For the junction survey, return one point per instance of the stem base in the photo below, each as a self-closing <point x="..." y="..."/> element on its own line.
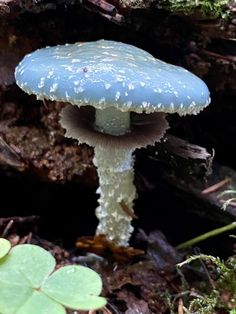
<point x="116" y="176"/>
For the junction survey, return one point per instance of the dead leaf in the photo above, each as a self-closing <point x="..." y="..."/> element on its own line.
<point x="101" y="246"/>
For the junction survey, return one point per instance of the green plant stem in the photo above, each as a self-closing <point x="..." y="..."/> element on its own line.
<point x="206" y="236"/>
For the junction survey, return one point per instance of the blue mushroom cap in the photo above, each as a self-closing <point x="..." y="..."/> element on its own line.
<point x="107" y="73"/>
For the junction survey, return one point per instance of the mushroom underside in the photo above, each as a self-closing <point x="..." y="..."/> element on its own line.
<point x="146" y="129"/>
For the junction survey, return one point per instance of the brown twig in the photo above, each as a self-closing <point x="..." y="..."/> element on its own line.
<point x="29" y="238"/>
<point x="113" y="308"/>
<point x="10" y="157"/>
<point x="219" y="56"/>
<point x="104" y="6"/>
<point x="7" y="228"/>
<point x="211" y="281"/>
<point x="18" y="219"/>
<point x="26" y="239"/>
<point x="127" y="210"/>
<point x="180" y="306"/>
<point x="216" y="187"/>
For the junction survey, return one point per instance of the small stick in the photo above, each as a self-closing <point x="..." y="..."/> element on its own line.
<point x="106" y="311"/>
<point x="212" y="283"/>
<point x="105" y="6"/>
<point x="127" y="210"/>
<point x="216" y="187"/>
<point x="10" y="156"/>
<point x="24" y="239"/>
<point x="7" y="228"/>
<point x="19" y="219"/>
<point x="180" y="306"/>
<point x="231" y="203"/>
<point x="219" y="56"/>
<point x="45" y="103"/>
<point x="206" y="236"/>
<point x="29" y="238"/>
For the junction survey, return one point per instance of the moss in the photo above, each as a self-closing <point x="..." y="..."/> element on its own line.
<point x="221" y="294"/>
<point x="207" y="8"/>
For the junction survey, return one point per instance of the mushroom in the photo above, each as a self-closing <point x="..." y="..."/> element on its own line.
<point x="121" y="95"/>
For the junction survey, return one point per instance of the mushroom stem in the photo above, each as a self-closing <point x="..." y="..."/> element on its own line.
<point x="116" y="175"/>
<point x="112" y="121"/>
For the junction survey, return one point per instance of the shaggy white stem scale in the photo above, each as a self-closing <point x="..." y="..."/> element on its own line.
<point x="116" y="176"/>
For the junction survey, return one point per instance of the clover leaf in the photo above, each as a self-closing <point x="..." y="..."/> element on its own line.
<point x="29" y="285"/>
<point x="5" y="247"/>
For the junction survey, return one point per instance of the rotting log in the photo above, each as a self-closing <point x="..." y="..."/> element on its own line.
<point x="192" y="176"/>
